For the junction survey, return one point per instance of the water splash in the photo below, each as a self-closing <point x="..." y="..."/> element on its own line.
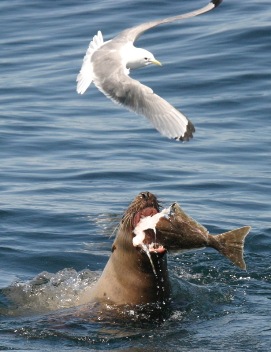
<point x="47" y="291"/>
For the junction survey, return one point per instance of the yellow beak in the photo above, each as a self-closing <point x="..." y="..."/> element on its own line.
<point x="156" y="62"/>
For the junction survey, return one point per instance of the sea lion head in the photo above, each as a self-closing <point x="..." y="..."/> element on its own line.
<point x="145" y="204"/>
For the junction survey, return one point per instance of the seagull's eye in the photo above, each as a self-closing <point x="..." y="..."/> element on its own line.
<point x="145" y="58"/>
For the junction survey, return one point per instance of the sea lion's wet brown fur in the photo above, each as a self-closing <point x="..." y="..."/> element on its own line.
<point x="129" y="276"/>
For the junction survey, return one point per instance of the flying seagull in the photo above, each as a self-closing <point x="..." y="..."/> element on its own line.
<point x="108" y="64"/>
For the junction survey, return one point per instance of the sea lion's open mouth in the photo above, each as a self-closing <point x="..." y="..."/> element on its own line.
<point x="145" y="232"/>
<point x="149" y="211"/>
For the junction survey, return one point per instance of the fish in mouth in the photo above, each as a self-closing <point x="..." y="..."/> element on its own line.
<point x="136" y="272"/>
<point x="172" y="229"/>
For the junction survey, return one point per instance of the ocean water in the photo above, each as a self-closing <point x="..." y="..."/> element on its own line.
<point x="71" y="164"/>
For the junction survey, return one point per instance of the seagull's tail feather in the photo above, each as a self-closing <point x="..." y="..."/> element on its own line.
<point x="85" y="76"/>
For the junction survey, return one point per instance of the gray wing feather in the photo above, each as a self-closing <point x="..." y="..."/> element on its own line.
<point x="131" y="34"/>
<point x="142" y="100"/>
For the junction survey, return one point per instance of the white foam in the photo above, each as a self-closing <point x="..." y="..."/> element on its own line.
<point x="147" y="223"/>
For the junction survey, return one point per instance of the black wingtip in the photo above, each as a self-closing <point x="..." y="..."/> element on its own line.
<point x="190" y="129"/>
<point x="216" y="2"/>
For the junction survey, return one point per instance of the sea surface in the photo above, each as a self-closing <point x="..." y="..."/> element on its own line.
<point x="71" y="164"/>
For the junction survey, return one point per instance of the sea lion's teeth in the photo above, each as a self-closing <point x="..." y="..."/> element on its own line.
<point x="155" y="247"/>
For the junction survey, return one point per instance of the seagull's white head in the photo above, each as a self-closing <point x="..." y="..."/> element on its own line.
<point x="137" y="57"/>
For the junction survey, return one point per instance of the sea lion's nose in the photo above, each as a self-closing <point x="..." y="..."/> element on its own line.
<point x="173" y="207"/>
<point x="145" y="195"/>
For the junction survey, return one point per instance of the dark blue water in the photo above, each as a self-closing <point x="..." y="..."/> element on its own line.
<point x="71" y="164"/>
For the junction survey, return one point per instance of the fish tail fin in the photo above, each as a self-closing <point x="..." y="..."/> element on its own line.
<point x="231" y="244"/>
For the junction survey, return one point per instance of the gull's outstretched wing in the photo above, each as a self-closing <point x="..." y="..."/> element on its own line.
<point x="139" y="98"/>
<point x="85" y="76"/>
<point x="131" y="34"/>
